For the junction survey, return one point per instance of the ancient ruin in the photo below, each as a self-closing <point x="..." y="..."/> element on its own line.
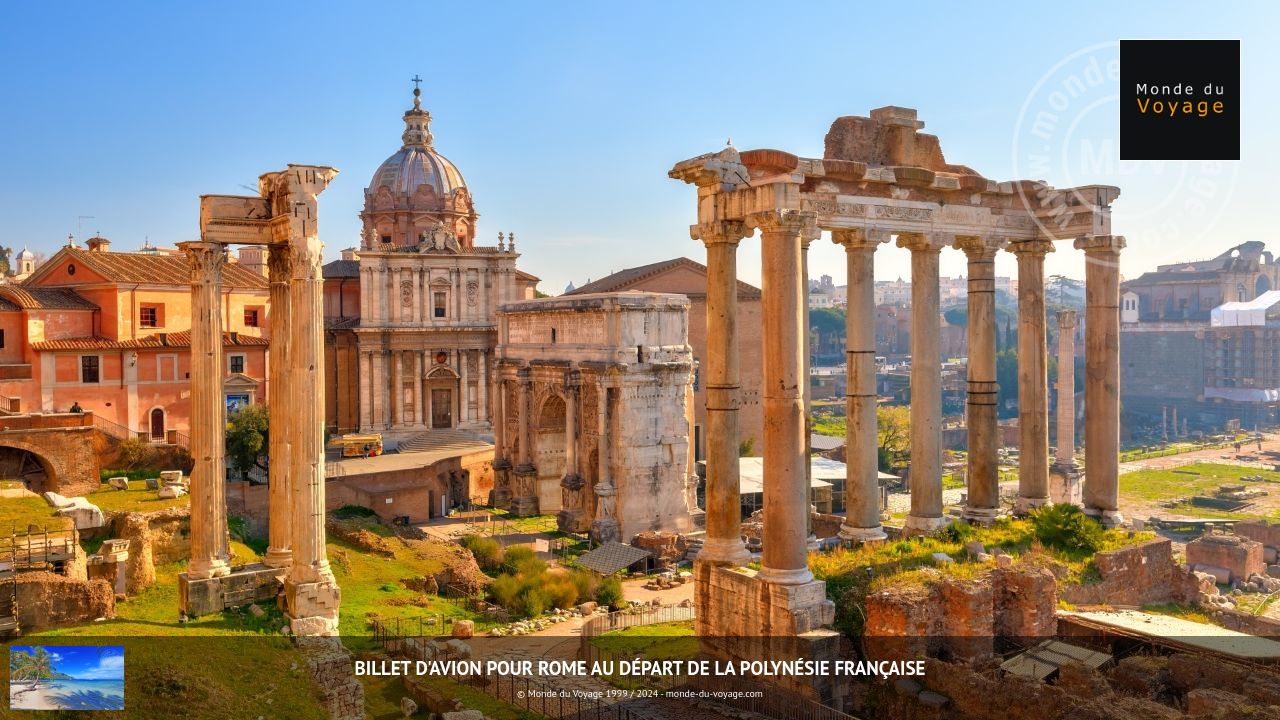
<point x="593" y="406"/>
<point x="283" y="219"/>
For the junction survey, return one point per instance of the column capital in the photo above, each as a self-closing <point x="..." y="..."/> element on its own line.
<point x="977" y="248"/>
<point x="802" y="222"/>
<point x="1030" y="247"/>
<point x="720" y="231"/>
<point x="1066" y="319"/>
<point x="923" y="242"/>
<point x="1100" y="243"/>
<point x="280" y="259"/>
<point x="860" y="238"/>
<point x="204" y="257"/>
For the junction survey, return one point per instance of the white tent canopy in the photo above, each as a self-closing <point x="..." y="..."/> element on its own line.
<point x="1240" y="314"/>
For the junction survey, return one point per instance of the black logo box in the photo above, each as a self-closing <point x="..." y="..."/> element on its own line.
<point x="1187" y="69"/>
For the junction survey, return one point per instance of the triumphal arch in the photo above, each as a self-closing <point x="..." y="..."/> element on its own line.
<point x="881" y="178"/>
<point x="282" y="218"/>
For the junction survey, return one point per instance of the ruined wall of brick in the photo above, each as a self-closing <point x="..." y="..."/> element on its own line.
<point x="47" y="600"/>
<point x="1240" y="556"/>
<point x="331" y="667"/>
<point x="1137" y="575"/>
<point x="1259" y="531"/>
<point x="1026" y="603"/>
<point x="1247" y="623"/>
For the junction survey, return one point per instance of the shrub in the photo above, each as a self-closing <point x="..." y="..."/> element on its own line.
<point x="486" y="551"/>
<point x="515" y="556"/>
<point x="134" y="452"/>
<point x="349" y="512"/>
<point x="610" y="592"/>
<point x="1067" y="528"/>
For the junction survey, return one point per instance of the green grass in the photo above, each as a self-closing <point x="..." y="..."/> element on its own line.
<point x="661" y="641"/>
<point x="18" y="512"/>
<point x="1182" y="612"/>
<point x="136" y="499"/>
<point x="1185" y="481"/>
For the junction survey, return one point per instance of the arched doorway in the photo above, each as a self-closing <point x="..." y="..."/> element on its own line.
<point x="549" y="456"/>
<point x="27" y="468"/>
<point x="157" y="424"/>
<point x="440" y="396"/>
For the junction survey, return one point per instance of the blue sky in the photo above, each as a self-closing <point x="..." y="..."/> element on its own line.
<point x="87" y="662"/>
<point x="565" y="117"/>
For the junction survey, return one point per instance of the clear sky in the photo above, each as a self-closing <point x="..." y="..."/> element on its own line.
<point x="565" y="117"/>
<point x="88" y="662"/>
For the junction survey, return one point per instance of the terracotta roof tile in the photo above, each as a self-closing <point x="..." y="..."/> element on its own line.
<point x="627" y="279"/>
<point x="158" y="269"/>
<point x="44" y="298"/>
<point x="158" y="340"/>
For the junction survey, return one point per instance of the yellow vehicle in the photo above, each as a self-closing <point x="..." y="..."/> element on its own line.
<point x="357" y="445"/>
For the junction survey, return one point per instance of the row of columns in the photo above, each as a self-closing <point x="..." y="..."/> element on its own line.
<point x="382" y="304"/>
<point x="381" y="410"/>
<point x="786" y="464"/>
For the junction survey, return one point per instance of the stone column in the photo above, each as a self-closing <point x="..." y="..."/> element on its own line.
<point x="1102" y="376"/>
<point x="1064" y="474"/>
<point x="786" y="495"/>
<point x="605" y="528"/>
<point x="501" y="444"/>
<point x="862" y="467"/>
<point x="806" y="380"/>
<point x="524" y="501"/>
<point x="482" y="387"/>
<point x="210" y="543"/>
<point x="378" y="387"/>
<point x="1033" y="376"/>
<point x="983" y="470"/>
<point x="366" y="391"/>
<point x="464" y="387"/>
<point x="311" y="594"/>
<point x="397" y="388"/>
<point x="279" y="400"/>
<point x="926" y="384"/>
<point x="723" y="544"/>
<point x="418" y="417"/>
<point x="572" y="518"/>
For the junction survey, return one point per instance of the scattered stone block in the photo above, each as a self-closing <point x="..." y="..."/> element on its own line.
<point x="56" y="500"/>
<point x="153" y="483"/>
<point x="119" y="483"/>
<point x="171" y="477"/>
<point x="587" y="608"/>
<point x="83" y="513"/>
<point x="975" y="548"/>
<point x="1240" y="556"/>
<point x="171" y="492"/>
<point x="1004" y="561"/>
<point x="929" y="698"/>
<point x="1221" y="576"/>
<point x="408" y="706"/>
<point x="1273" y="571"/>
<point x="942" y="558"/>
<point x="256" y="611"/>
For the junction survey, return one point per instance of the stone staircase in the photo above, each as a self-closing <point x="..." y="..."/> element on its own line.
<point x="442" y="441"/>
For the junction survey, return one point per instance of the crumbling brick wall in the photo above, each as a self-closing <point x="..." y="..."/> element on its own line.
<point x="1137" y="575"/>
<point x="46" y="600"/>
<point x="1238" y="555"/>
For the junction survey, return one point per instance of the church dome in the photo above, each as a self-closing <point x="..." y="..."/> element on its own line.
<point x="417" y="164"/>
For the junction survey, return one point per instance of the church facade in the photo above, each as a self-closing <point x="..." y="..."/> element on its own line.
<point x="410" y="315"/>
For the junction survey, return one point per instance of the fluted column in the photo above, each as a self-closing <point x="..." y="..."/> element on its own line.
<point x="482" y="388"/>
<point x="464" y="387"/>
<point x="397" y="388"/>
<point x="312" y="595"/>
<point x="983" y="468"/>
<point x="418" y="417"/>
<point x="378" y="385"/>
<point x="786" y="492"/>
<point x="1033" y="377"/>
<point x="1066" y="445"/>
<point x="862" y="468"/>
<point x="366" y="391"/>
<point x="926" y="384"/>
<point x="1102" y="376"/>
<point x="806" y="381"/>
<point x="723" y="544"/>
<point x="279" y="399"/>
<point x="210" y="544"/>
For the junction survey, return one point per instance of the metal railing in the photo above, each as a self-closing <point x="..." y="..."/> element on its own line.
<point x="116" y="430"/>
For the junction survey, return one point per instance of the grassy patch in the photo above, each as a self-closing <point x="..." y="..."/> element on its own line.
<point x="1182" y="612"/>
<point x="1185" y="481"/>
<point x="474" y="699"/>
<point x="17" y="513"/>
<point x="662" y="641"/>
<point x="136" y="499"/>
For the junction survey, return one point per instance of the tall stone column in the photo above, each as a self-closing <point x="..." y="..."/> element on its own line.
<point x="1033" y="376"/>
<point x="862" y="467"/>
<point x="464" y="387"/>
<point x="366" y="392"/>
<point x="524" y="501"/>
<point x="926" y="384"/>
<point x="210" y="543"/>
<point x="482" y="388"/>
<point x="572" y="517"/>
<point x="806" y="381"/>
<point x="312" y="596"/>
<point x="279" y="400"/>
<point x="1102" y="376"/>
<point x="1064" y="474"/>
<point x="983" y="470"/>
<point x="605" y="527"/>
<point x="397" y="388"/>
<point x="501" y="444"/>
<point x="786" y="492"/>
<point x="378" y="382"/>
<point x="723" y="544"/>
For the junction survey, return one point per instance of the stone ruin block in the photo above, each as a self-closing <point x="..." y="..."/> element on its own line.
<point x="1260" y="531"/>
<point x="1240" y="556"/>
<point x="171" y="477"/>
<point x="253" y="583"/>
<point x="968" y="620"/>
<point x="119" y="483"/>
<point x="171" y="492"/>
<point x="668" y="547"/>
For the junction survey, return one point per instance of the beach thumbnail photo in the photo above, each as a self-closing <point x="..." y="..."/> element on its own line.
<point x="66" y="677"/>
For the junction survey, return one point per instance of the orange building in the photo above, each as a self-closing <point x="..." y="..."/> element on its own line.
<point x="111" y="332"/>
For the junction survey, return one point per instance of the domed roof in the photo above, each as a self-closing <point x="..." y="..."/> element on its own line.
<point x="417" y="163"/>
<point x="26" y="254"/>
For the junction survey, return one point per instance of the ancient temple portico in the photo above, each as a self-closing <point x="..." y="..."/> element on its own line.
<point x="282" y="218"/>
<point x="880" y="177"/>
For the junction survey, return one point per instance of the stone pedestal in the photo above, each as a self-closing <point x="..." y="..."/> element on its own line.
<point x="524" y="500"/>
<point x="1102" y="376"/>
<point x="1064" y="484"/>
<point x="572" y="519"/>
<point x="205" y="596"/>
<point x="501" y="497"/>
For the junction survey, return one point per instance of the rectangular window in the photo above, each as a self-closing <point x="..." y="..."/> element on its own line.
<point x="236" y="363"/>
<point x="251" y="317"/>
<point x="89" y="368"/>
<point x="1" y="339"/>
<point x="148" y="317"/>
<point x="439" y="303"/>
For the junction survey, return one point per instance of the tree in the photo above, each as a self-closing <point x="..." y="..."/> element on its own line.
<point x="34" y="665"/>
<point x="247" y="440"/>
<point x="893" y="433"/>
